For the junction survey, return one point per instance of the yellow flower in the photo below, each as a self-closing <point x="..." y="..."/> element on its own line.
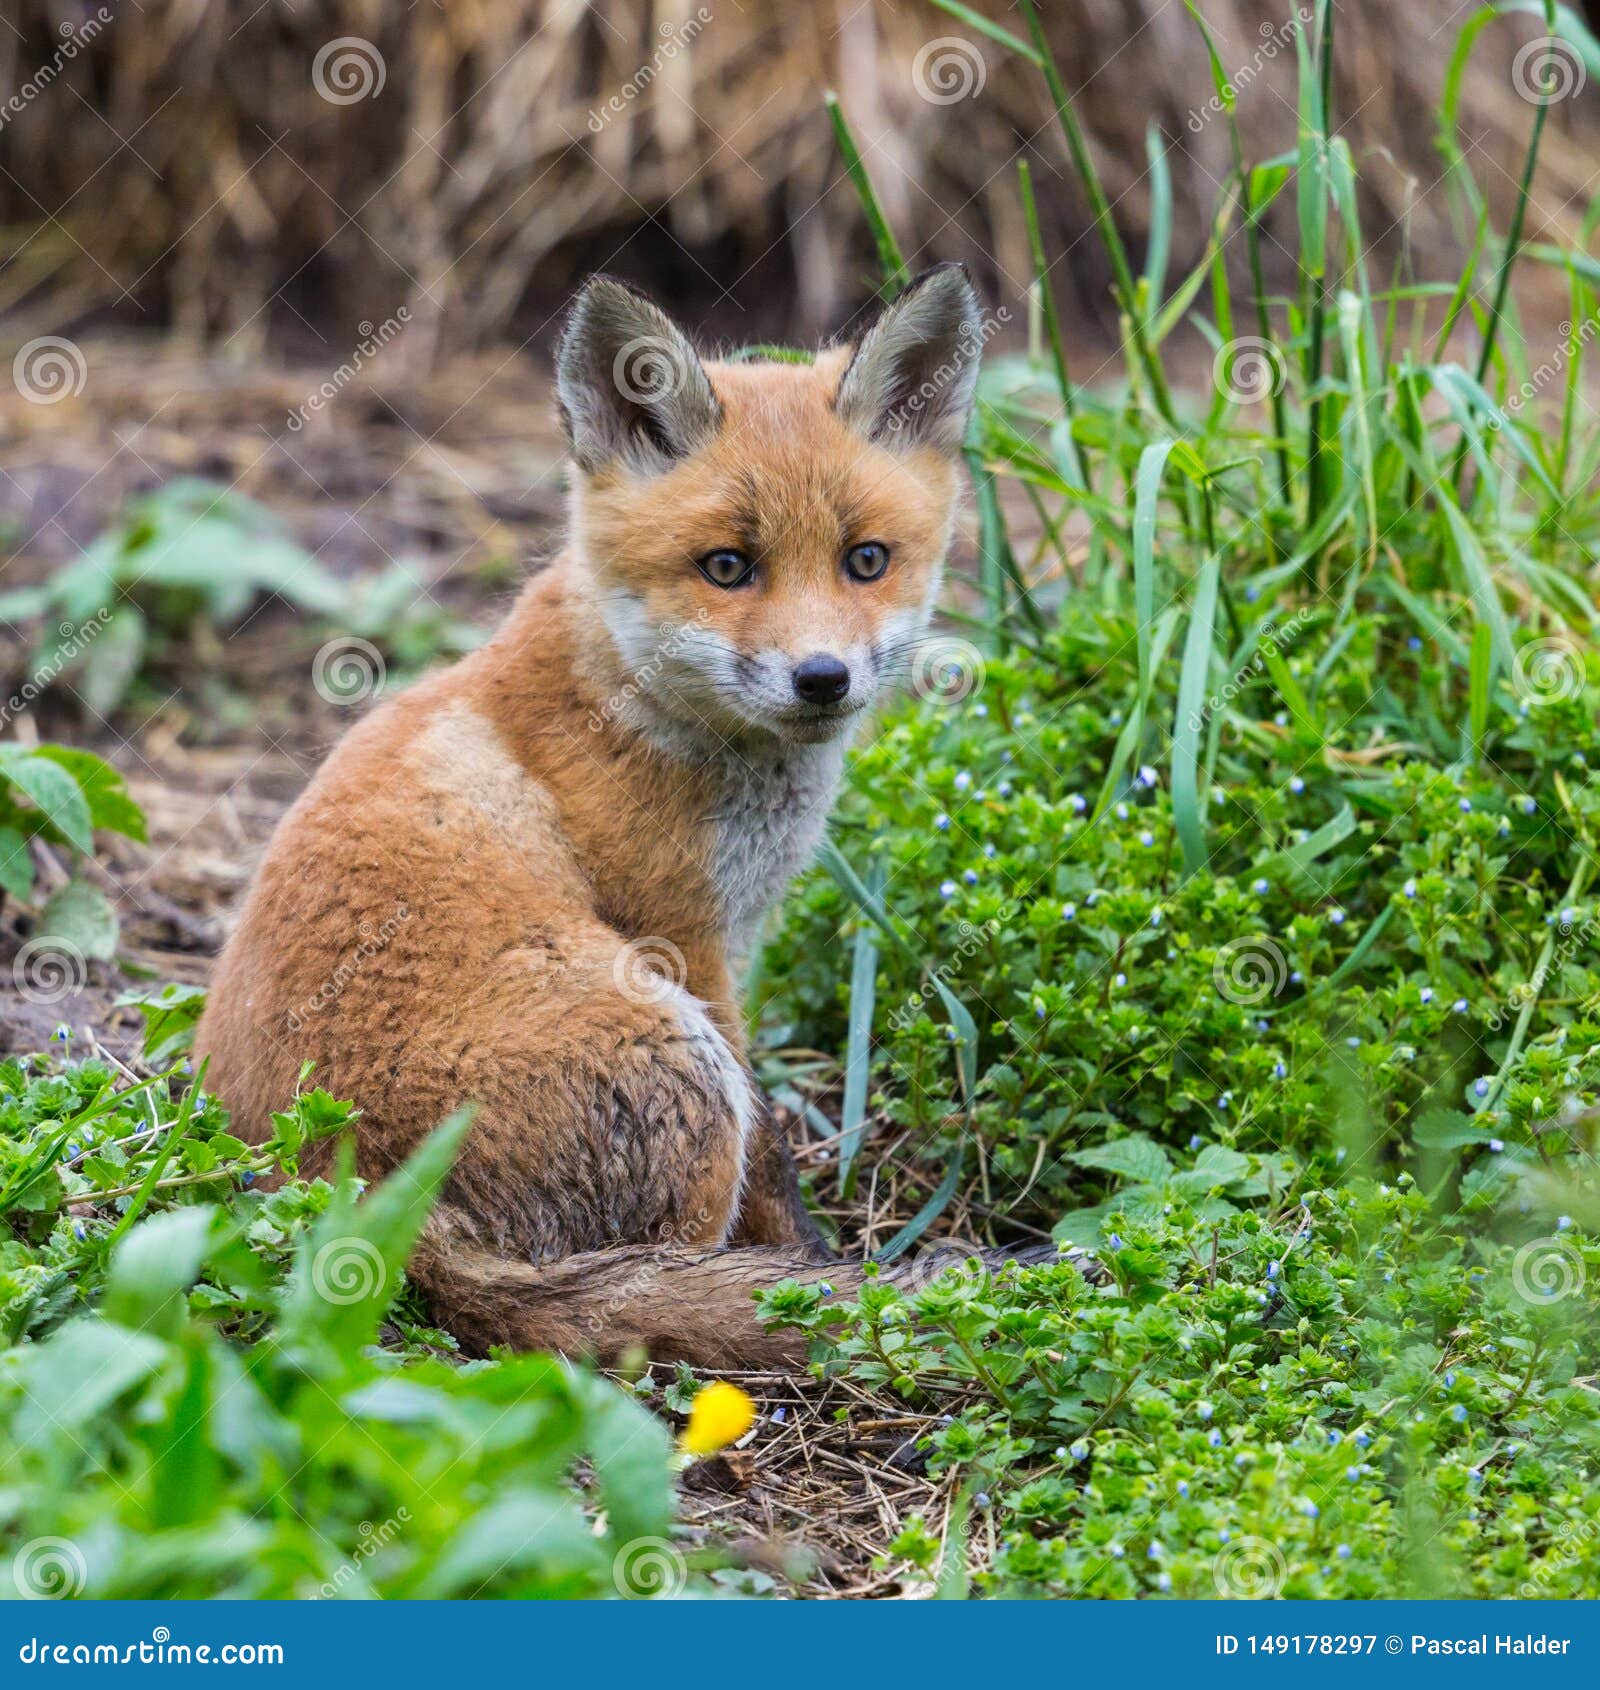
<point x="721" y="1414"/>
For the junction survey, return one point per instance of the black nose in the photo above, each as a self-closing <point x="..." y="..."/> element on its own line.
<point x="821" y="679"/>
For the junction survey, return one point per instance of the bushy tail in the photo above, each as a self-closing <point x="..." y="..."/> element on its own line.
<point x="695" y="1306"/>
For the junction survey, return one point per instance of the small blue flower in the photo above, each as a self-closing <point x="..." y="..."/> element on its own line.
<point x="1154" y="1552"/>
<point x="1147" y="776"/>
<point x="1296" y="978"/>
<point x="247" y="1177"/>
<point x="1480" y="1088"/>
<point x="1214" y="1438"/>
<point x="1204" y="1410"/>
<point x="1146" y="837"/>
<point x="1069" y="912"/>
<point x="1194" y="1141"/>
<point x="1460" y="1006"/>
<point x="1274" y="1269"/>
<point x="963" y="781"/>
<point x="1362" y="1439"/>
<point x="79" y="1230"/>
<point x="1119" y="980"/>
<point x="1116" y="1551"/>
<point x="1563" y="1223"/>
<point x="1260" y="888"/>
<point x="1414" y="642"/>
<point x="1310" y="1509"/>
<point x="1077" y="803"/>
<point x="1410" y="889"/>
<point x="1222" y="1102"/>
<point x="1224" y="1536"/>
<point x="825" y="1288"/>
<point x="1449" y="1380"/>
<point x="1296" y="784"/>
<point x="1529" y="805"/>
<point x="62" y="1033"/>
<point x="970" y="875"/>
<point x="1464" y="805"/>
<point x="947" y="888"/>
<point x="1080" y="1451"/>
<point x="1336" y="917"/>
<point x="1115" y="1241"/>
<point x="1354" y="1042"/>
<point x="989" y="852"/>
<point x="1459" y="1412"/>
<point x="942" y="822"/>
<point x="1343" y="1552"/>
<point x="1183" y="1487"/>
<point x="1496" y="1145"/>
<point x="1353" y="1473"/>
<point x="1155" y="918"/>
<point x="980" y="709"/>
<point x="1164" y="1582"/>
<point x="1004" y="789"/>
<point x="1279" y="1071"/>
<point x="1251" y="592"/>
<point x="982" y="1499"/>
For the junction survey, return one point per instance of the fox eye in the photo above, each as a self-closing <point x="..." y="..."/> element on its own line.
<point x="726" y="567"/>
<point x="866" y="562"/>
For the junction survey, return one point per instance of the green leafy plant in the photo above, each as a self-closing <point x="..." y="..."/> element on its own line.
<point x="1226" y="903"/>
<point x="61" y="796"/>
<point x="344" y="1452"/>
<point x="188" y="553"/>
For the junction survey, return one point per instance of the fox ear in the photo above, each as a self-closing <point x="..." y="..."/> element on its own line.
<point x="629" y="384"/>
<point x="911" y="380"/>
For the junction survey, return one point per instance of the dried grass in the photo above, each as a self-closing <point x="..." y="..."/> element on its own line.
<point x="183" y="167"/>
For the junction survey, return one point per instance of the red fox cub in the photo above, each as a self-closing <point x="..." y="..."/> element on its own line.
<point x="528" y="882"/>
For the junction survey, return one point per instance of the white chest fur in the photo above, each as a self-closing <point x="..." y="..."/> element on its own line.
<point x="769" y="820"/>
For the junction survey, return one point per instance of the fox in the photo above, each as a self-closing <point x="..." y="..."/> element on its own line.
<point x="529" y="882"/>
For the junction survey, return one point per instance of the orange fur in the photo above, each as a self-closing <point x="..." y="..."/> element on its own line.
<point x="525" y="882"/>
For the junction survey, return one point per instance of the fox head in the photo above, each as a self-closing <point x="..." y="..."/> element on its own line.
<point x="764" y="537"/>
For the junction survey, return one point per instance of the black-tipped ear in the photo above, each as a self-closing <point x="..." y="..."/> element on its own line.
<point x="911" y="380"/>
<point x="630" y="385"/>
